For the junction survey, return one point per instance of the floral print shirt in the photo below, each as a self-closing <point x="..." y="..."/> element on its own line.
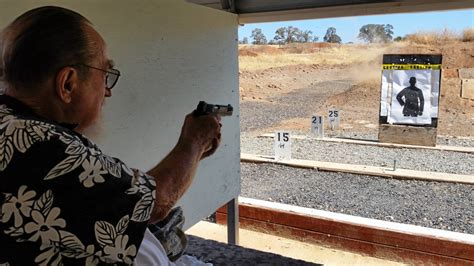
<point x="62" y="200"/>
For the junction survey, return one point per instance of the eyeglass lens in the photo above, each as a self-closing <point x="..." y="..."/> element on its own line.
<point x="111" y="78"/>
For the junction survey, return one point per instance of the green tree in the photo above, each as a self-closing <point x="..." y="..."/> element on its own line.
<point x="398" y="39"/>
<point x="245" y="40"/>
<point x="331" y="36"/>
<point x="305" y="36"/>
<point x="258" y="37"/>
<point x="285" y="35"/>
<point x="376" y="33"/>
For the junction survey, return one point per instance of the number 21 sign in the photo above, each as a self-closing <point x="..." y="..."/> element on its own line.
<point x="317" y="126"/>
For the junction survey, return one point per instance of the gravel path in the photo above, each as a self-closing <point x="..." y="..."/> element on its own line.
<point x="415" y="159"/>
<point x="256" y="115"/>
<point x="431" y="204"/>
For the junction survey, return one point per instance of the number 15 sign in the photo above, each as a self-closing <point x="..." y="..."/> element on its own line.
<point x="282" y="146"/>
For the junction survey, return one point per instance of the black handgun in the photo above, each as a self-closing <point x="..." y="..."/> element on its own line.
<point x="204" y="108"/>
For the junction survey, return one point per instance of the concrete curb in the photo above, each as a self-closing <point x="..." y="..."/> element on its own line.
<point x="376" y="238"/>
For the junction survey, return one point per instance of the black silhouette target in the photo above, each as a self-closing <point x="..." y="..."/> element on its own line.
<point x="410" y="90"/>
<point x="412" y="99"/>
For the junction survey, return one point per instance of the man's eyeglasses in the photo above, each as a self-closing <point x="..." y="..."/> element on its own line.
<point x="111" y="77"/>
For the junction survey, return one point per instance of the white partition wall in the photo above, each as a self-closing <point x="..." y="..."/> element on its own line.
<point x="171" y="54"/>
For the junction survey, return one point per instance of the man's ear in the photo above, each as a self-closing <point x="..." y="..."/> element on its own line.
<point x="67" y="81"/>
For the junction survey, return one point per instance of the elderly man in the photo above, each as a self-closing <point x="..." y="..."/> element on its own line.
<point x="62" y="200"/>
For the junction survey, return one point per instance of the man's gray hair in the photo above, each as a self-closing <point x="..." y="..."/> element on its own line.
<point x="39" y="43"/>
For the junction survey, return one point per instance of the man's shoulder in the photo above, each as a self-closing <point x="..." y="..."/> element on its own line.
<point x="15" y="118"/>
<point x="25" y="139"/>
<point x="29" y="129"/>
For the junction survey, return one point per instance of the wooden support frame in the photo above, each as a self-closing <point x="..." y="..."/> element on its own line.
<point x="408" y="135"/>
<point x="363" y="169"/>
<point x="382" y="144"/>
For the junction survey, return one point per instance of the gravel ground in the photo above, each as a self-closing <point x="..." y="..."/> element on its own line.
<point x="218" y="253"/>
<point x="256" y="115"/>
<point x="441" y="140"/>
<point x="415" y="159"/>
<point x="439" y="205"/>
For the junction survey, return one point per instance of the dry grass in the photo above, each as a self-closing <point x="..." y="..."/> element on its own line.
<point x="264" y="61"/>
<point x="468" y="35"/>
<point x="259" y="57"/>
<point x="433" y="37"/>
<point x="334" y="55"/>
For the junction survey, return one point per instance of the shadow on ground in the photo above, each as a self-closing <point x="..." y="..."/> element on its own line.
<point x="219" y="253"/>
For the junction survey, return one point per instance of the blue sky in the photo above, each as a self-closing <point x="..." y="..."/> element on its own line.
<point x="348" y="27"/>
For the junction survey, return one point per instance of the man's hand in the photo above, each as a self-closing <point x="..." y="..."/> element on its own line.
<point x="201" y="132"/>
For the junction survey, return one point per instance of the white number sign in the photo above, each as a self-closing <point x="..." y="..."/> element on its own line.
<point x="334" y="117"/>
<point x="282" y="145"/>
<point x="317" y="126"/>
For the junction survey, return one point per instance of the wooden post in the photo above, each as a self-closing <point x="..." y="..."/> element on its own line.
<point x="411" y="135"/>
<point x="233" y="222"/>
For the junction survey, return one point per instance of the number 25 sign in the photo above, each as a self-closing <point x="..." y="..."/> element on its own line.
<point x="333" y="119"/>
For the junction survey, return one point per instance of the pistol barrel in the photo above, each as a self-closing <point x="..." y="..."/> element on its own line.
<point x="204" y="108"/>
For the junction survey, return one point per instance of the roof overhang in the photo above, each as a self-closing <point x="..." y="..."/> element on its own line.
<point x="254" y="11"/>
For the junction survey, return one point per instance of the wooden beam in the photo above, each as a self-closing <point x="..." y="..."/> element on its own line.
<point x="363" y="169"/>
<point x="356" y="10"/>
<point x="408" y="135"/>
<point x="402" y="242"/>
<point x="383" y="144"/>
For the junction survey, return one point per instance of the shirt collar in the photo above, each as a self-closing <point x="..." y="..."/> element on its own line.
<point x="20" y="108"/>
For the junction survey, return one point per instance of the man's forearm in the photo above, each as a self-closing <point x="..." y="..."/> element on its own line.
<point x="174" y="175"/>
<point x="200" y="137"/>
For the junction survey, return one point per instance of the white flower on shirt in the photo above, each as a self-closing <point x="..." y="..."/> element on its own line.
<point x="45" y="227"/>
<point x="92" y="172"/>
<point x="18" y="135"/>
<point x="5" y="111"/>
<point x="120" y="252"/>
<point x="16" y="206"/>
<point x="52" y="252"/>
<point x="92" y="259"/>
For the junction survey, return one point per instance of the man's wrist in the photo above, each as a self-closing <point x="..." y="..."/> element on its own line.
<point x="189" y="147"/>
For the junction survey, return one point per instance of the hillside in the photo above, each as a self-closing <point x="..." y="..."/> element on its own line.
<point x="290" y="83"/>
